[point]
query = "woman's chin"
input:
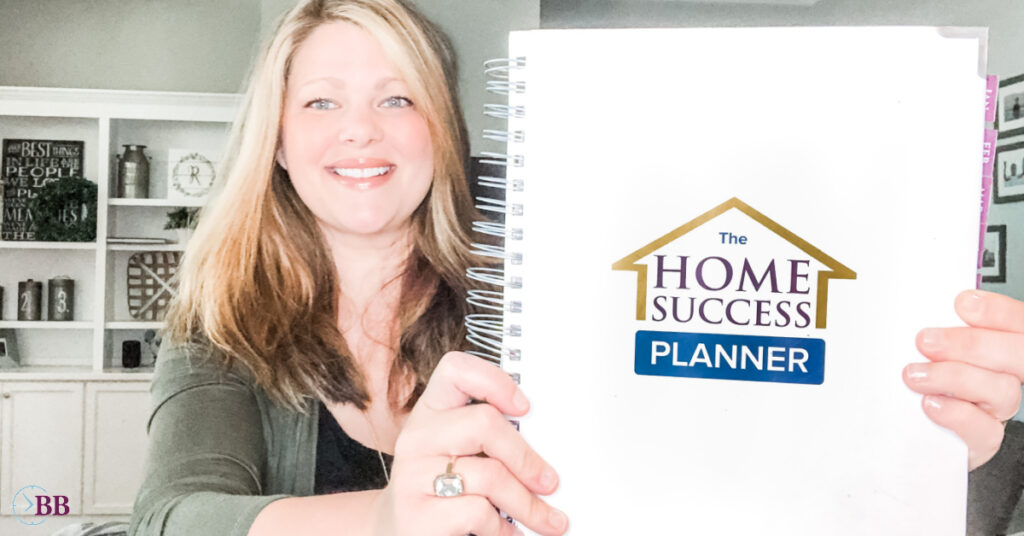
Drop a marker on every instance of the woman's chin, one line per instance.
(369, 228)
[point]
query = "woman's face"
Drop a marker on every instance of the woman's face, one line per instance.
(357, 150)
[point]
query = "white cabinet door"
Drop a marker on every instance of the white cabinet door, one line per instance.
(115, 445)
(41, 440)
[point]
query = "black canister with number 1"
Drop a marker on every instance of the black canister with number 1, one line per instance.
(62, 298)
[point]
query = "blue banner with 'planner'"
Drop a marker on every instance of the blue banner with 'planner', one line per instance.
(730, 357)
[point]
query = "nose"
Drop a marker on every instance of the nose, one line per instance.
(359, 127)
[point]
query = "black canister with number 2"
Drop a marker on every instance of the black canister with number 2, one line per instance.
(30, 300)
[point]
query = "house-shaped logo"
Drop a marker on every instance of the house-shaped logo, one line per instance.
(728, 273)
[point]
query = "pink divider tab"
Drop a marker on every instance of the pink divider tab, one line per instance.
(991, 92)
(988, 152)
(988, 158)
(986, 192)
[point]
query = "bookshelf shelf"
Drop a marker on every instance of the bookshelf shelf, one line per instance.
(134, 324)
(146, 247)
(46, 324)
(6, 244)
(124, 202)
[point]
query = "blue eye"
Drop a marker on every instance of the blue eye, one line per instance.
(320, 104)
(396, 102)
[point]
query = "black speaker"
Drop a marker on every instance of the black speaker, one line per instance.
(131, 354)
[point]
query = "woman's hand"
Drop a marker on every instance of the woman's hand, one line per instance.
(973, 384)
(442, 426)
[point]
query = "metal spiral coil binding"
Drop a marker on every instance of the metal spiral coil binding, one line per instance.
(494, 333)
(489, 250)
(493, 276)
(505, 87)
(504, 111)
(503, 136)
(485, 331)
(490, 204)
(487, 299)
(498, 69)
(492, 182)
(494, 301)
(489, 228)
(490, 330)
(496, 252)
(501, 159)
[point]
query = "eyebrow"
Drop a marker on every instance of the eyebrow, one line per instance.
(335, 81)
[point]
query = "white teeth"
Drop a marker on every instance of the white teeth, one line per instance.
(361, 173)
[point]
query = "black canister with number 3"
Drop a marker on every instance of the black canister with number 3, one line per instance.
(62, 298)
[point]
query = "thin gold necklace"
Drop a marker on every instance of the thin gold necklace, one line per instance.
(376, 443)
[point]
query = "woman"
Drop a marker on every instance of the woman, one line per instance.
(333, 269)
(324, 286)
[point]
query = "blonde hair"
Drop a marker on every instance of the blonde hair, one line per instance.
(257, 283)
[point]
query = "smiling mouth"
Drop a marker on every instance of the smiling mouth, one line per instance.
(361, 173)
(363, 178)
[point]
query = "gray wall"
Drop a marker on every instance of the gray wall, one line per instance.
(165, 45)
(1003, 18)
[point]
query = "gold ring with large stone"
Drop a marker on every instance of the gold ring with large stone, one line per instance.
(448, 483)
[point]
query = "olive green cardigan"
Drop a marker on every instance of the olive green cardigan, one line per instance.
(219, 450)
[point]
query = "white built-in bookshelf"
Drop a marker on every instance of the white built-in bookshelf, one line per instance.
(104, 120)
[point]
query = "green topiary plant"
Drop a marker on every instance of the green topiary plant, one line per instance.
(182, 218)
(65, 211)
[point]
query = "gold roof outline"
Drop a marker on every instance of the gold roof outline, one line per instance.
(836, 270)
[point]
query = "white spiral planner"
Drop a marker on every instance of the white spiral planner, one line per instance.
(713, 250)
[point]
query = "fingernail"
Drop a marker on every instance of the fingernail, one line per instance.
(972, 303)
(520, 401)
(932, 402)
(548, 479)
(917, 372)
(931, 338)
(557, 519)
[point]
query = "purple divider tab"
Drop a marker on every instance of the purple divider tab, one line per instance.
(991, 92)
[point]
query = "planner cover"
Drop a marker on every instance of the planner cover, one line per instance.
(720, 244)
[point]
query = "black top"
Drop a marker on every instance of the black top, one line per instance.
(342, 463)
